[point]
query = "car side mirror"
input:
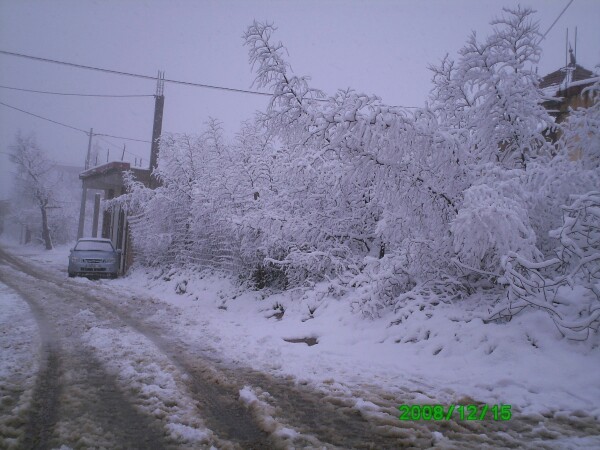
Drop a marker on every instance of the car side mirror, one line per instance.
(119, 251)
(72, 250)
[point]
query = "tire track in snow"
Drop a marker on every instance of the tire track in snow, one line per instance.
(226, 416)
(75, 402)
(218, 391)
(44, 403)
(20, 346)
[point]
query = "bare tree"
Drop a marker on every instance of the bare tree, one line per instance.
(33, 178)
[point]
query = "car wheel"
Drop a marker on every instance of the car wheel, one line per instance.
(71, 275)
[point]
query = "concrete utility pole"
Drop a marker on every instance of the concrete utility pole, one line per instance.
(84, 190)
(87, 158)
(159, 104)
(82, 213)
(96, 215)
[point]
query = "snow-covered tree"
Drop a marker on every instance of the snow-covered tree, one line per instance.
(363, 168)
(33, 178)
(490, 102)
(490, 97)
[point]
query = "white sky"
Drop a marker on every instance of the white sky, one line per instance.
(377, 47)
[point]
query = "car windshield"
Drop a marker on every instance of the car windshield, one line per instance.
(94, 246)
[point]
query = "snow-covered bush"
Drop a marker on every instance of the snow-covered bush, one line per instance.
(567, 287)
(580, 238)
(489, 226)
(582, 130)
(548, 185)
(575, 169)
(187, 219)
(379, 283)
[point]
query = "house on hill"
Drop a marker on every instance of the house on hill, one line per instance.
(565, 89)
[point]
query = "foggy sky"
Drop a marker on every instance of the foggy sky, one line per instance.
(377, 47)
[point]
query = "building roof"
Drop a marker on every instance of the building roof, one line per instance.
(105, 168)
(557, 78)
(558, 82)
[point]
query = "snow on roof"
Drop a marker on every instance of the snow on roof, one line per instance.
(95, 239)
(585, 82)
(565, 77)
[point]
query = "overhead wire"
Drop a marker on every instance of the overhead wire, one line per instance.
(121, 137)
(153, 78)
(131, 74)
(117, 147)
(44, 118)
(70, 126)
(116, 72)
(555, 20)
(76, 94)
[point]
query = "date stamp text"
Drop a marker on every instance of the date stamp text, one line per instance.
(455, 412)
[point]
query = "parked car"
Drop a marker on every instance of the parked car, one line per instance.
(95, 258)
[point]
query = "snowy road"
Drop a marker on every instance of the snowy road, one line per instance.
(106, 378)
(109, 375)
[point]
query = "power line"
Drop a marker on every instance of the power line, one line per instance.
(72, 127)
(120, 137)
(153, 78)
(44, 118)
(75, 94)
(136, 75)
(117, 147)
(556, 20)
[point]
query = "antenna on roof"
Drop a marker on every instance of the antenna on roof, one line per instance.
(575, 46)
(567, 51)
(571, 57)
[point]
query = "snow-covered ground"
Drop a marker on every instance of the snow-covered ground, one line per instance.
(439, 354)
(19, 346)
(524, 363)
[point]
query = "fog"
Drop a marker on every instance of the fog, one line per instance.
(377, 47)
